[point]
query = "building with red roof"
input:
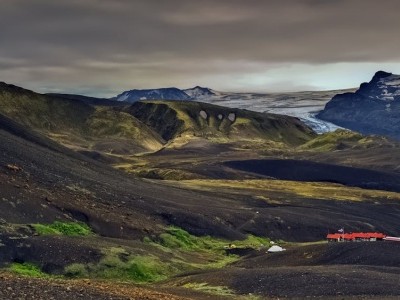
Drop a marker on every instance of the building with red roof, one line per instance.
(355, 236)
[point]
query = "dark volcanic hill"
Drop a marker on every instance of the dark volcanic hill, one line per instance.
(373, 109)
(153, 94)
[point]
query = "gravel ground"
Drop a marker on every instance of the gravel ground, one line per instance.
(16, 287)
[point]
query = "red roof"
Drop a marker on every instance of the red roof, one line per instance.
(355, 235)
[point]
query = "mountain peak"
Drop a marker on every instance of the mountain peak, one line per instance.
(372, 109)
(381, 74)
(383, 86)
(199, 92)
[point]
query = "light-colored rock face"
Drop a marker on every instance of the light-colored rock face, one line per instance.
(220, 117)
(203, 115)
(389, 87)
(383, 86)
(232, 117)
(200, 93)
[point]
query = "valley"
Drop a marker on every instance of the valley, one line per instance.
(161, 199)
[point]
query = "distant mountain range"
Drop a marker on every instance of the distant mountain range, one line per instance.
(373, 109)
(165, 94)
(153, 94)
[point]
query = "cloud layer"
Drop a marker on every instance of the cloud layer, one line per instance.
(103, 47)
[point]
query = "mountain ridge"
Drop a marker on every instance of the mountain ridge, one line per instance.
(372, 109)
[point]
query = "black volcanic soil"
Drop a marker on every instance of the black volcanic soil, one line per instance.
(301, 170)
(57, 183)
(381, 253)
(344, 270)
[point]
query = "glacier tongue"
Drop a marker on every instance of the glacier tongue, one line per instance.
(302, 105)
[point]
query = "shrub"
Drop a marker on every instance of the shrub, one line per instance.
(76, 270)
(146, 269)
(138, 268)
(179, 238)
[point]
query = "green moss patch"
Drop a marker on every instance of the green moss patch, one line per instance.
(63, 228)
(27, 269)
(175, 251)
(119, 264)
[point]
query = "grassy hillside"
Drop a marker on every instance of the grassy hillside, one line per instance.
(344, 139)
(76, 124)
(183, 120)
(42, 112)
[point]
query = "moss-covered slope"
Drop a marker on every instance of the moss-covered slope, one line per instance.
(77, 124)
(180, 119)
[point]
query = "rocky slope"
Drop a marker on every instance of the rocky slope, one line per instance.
(373, 109)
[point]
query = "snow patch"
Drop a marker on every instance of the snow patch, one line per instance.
(203, 114)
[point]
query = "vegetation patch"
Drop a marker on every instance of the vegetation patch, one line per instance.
(337, 140)
(117, 263)
(63, 228)
(212, 252)
(177, 238)
(27, 269)
(209, 289)
(76, 270)
(176, 251)
(218, 290)
(273, 191)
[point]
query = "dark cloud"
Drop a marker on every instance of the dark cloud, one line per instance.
(118, 44)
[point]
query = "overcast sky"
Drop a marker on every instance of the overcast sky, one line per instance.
(102, 48)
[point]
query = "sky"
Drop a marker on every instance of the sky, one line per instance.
(104, 47)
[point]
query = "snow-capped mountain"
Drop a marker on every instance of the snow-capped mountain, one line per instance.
(153, 94)
(373, 109)
(199, 93)
(383, 86)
